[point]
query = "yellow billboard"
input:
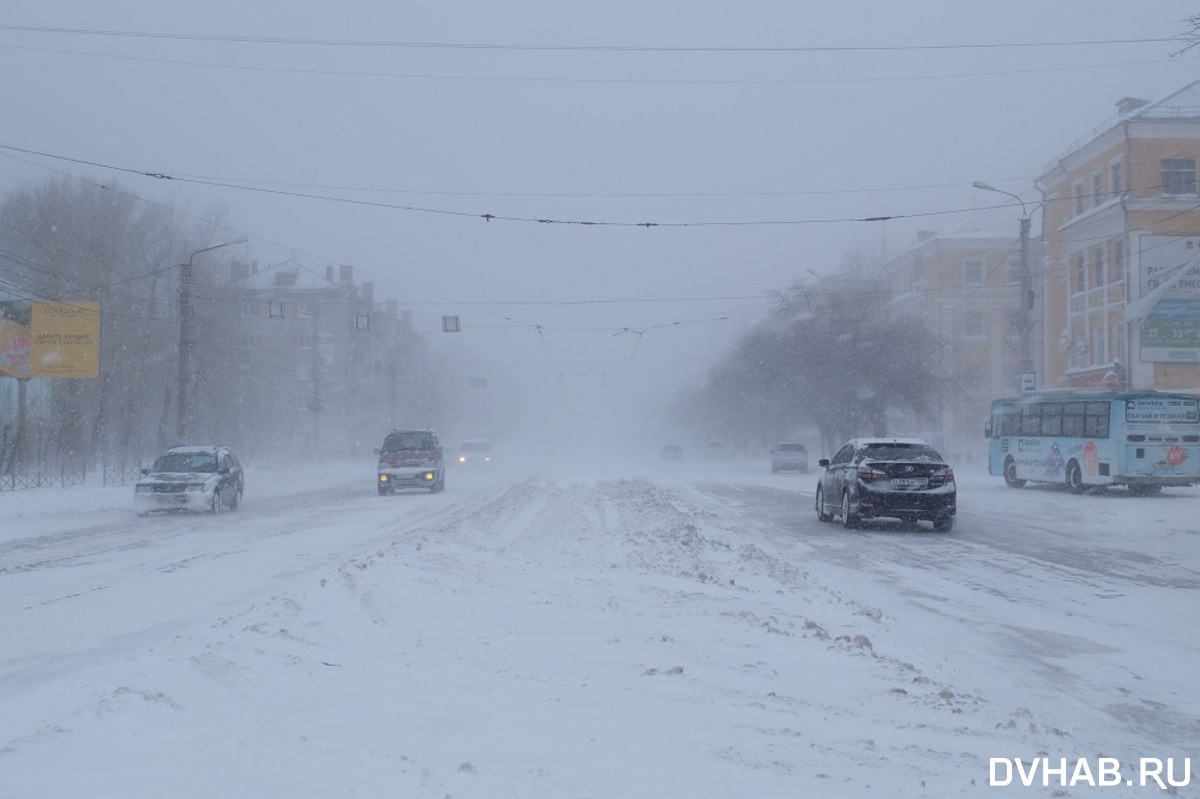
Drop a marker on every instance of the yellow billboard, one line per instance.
(50, 339)
(66, 339)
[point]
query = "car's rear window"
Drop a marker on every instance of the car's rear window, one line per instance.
(476, 446)
(792, 448)
(901, 452)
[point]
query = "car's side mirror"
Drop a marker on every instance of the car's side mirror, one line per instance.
(224, 470)
(145, 471)
(823, 463)
(987, 429)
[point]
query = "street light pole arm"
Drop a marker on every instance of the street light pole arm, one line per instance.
(979, 184)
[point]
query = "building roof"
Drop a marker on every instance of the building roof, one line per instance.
(1181, 104)
(285, 276)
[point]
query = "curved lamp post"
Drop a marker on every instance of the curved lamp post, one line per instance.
(185, 339)
(1026, 377)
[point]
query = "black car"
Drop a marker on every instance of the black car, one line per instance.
(205, 478)
(901, 478)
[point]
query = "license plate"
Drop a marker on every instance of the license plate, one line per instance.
(910, 482)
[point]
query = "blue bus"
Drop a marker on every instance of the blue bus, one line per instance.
(1144, 440)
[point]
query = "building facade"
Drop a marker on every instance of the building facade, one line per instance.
(1121, 227)
(966, 286)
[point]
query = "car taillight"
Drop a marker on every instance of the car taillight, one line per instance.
(942, 477)
(867, 474)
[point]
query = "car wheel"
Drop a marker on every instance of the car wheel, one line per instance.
(384, 491)
(774, 470)
(849, 519)
(215, 505)
(823, 514)
(1075, 478)
(1010, 474)
(142, 513)
(237, 499)
(943, 524)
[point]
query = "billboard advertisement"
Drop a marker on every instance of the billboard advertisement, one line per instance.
(49, 339)
(1170, 278)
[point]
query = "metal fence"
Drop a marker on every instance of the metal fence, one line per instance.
(42, 479)
(120, 474)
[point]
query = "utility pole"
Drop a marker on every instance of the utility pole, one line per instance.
(315, 402)
(182, 388)
(1026, 376)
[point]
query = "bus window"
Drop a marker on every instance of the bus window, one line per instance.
(1096, 420)
(1073, 419)
(1031, 422)
(1052, 418)
(1011, 423)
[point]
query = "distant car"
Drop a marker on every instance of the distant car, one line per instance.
(789, 456)
(474, 451)
(902, 478)
(195, 478)
(671, 452)
(715, 450)
(410, 459)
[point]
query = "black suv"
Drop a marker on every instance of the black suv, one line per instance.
(902, 478)
(411, 459)
(198, 478)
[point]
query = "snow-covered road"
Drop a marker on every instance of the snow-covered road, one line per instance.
(604, 630)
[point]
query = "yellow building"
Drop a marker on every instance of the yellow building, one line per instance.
(1120, 227)
(966, 285)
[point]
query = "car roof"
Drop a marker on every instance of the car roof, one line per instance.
(191, 448)
(865, 442)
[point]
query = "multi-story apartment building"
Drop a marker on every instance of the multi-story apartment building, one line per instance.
(337, 369)
(966, 285)
(1121, 227)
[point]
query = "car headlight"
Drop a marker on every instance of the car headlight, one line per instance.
(383, 478)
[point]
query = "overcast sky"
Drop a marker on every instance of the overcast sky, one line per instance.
(753, 134)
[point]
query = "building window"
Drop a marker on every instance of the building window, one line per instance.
(1118, 342)
(972, 377)
(1098, 275)
(1097, 189)
(1179, 176)
(1079, 273)
(304, 342)
(1014, 271)
(1099, 353)
(1119, 260)
(1116, 179)
(973, 273)
(973, 324)
(1077, 192)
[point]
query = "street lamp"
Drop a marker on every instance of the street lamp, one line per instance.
(185, 338)
(1026, 377)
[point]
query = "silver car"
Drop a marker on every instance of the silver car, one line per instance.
(789, 456)
(206, 479)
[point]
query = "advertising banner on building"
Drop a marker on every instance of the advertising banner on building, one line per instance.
(49, 339)
(1168, 308)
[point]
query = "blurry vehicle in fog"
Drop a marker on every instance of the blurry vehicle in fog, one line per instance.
(789, 456)
(474, 451)
(671, 452)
